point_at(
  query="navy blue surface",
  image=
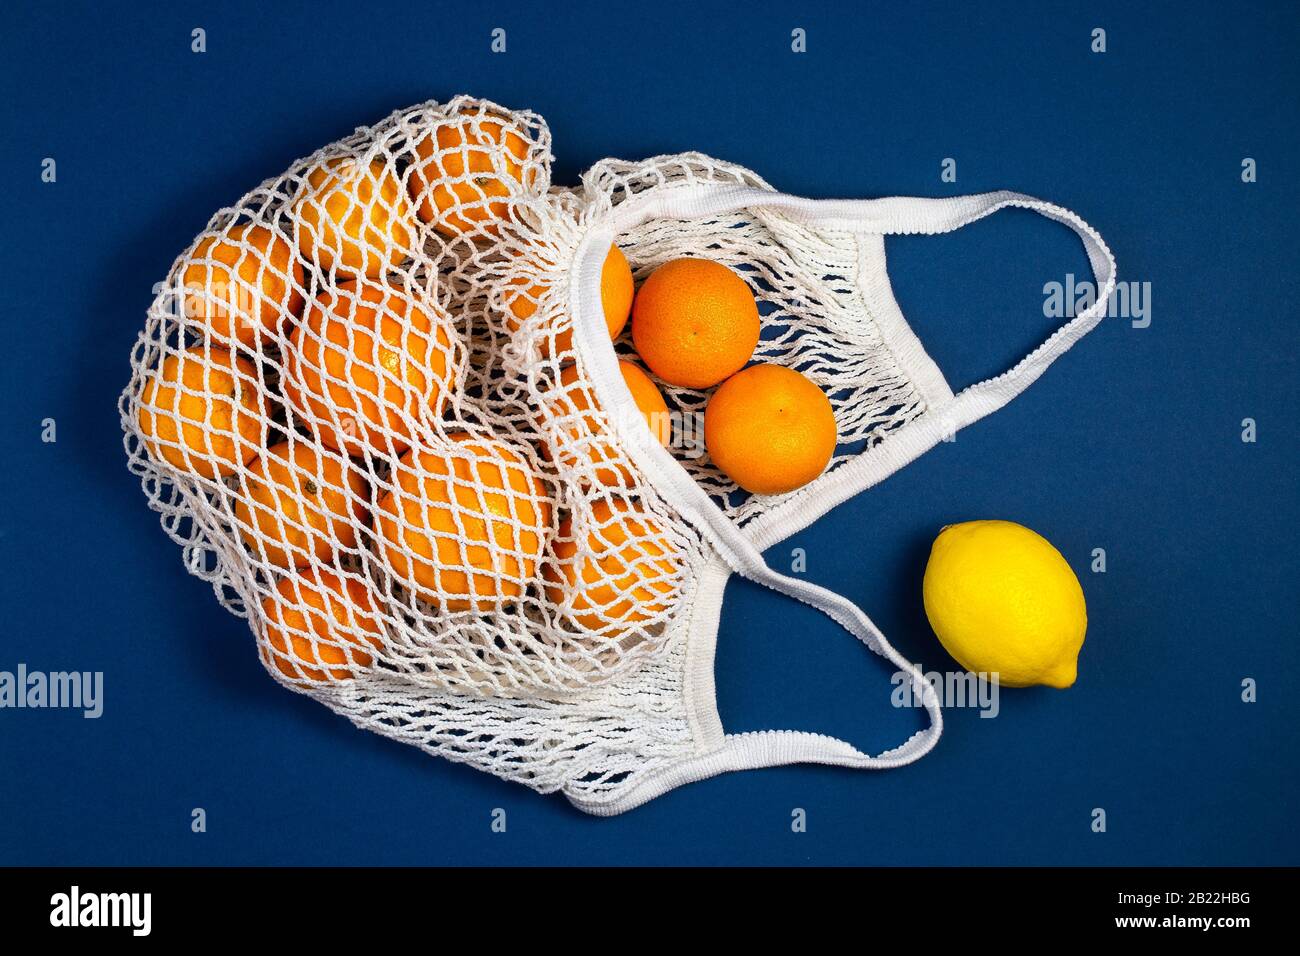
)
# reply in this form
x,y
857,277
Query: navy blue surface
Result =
x,y
1130,443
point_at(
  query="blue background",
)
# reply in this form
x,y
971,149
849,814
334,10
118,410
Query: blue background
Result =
x,y
1130,443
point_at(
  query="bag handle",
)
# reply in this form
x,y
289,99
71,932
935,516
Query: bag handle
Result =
x,y
773,748
912,216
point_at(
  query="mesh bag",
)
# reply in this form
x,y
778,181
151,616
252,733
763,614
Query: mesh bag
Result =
x,y
377,406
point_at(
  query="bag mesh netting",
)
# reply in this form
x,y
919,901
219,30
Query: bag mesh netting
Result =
x,y
358,406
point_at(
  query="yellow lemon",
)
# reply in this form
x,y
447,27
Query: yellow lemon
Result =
x,y
1002,600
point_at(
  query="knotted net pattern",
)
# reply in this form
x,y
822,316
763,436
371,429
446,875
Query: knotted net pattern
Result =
x,y
357,406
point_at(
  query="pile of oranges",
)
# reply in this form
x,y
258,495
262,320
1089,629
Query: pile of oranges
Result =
x,y
368,363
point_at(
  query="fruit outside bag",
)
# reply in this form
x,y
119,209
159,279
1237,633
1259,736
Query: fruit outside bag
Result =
x,y
421,474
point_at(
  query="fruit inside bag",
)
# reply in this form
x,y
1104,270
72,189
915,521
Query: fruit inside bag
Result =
x,y
378,406
321,410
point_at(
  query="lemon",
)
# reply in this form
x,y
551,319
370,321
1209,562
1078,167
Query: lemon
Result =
x,y
1003,601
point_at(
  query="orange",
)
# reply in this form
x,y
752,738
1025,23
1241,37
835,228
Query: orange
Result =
x,y
694,322
353,217
616,292
316,623
465,525
770,429
589,439
243,282
365,363
204,411
623,574
650,400
298,504
464,168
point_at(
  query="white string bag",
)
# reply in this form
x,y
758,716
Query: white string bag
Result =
x,y
534,585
